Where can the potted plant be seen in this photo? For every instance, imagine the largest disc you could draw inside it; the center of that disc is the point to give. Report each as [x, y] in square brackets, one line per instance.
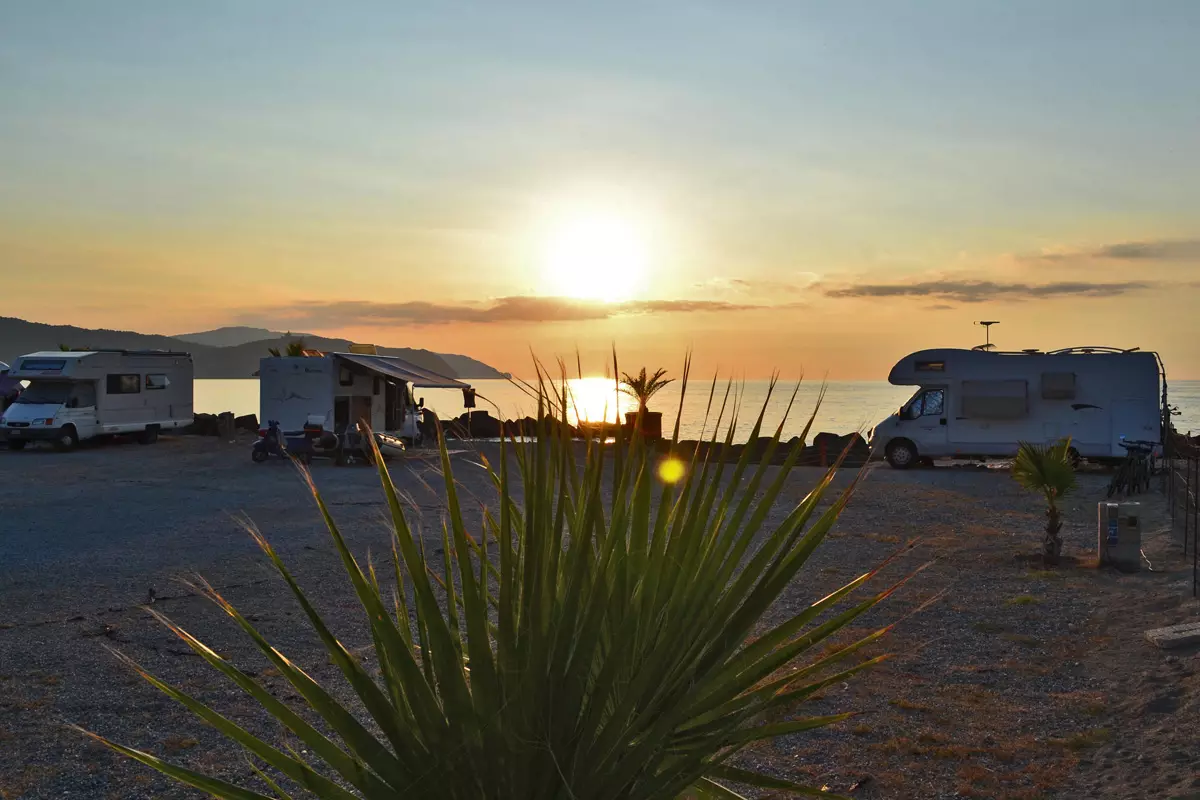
[1050, 471]
[642, 388]
[295, 349]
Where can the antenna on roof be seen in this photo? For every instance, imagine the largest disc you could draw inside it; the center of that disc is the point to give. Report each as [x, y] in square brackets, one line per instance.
[987, 328]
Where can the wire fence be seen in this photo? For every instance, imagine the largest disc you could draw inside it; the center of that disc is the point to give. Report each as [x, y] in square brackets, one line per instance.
[1182, 488]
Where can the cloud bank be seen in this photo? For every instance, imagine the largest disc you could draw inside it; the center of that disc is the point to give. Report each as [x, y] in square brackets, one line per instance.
[973, 291]
[1149, 250]
[519, 309]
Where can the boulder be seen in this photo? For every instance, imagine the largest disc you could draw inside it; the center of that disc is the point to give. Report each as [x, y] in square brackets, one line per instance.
[600, 430]
[827, 447]
[478, 425]
[225, 425]
[429, 425]
[202, 425]
[246, 422]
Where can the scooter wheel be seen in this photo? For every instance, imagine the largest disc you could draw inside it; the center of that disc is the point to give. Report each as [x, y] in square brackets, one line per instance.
[258, 456]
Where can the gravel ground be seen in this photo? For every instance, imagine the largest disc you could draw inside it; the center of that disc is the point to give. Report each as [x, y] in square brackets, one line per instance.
[1014, 682]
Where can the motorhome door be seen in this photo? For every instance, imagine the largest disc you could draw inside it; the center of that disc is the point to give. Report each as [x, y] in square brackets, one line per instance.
[926, 416]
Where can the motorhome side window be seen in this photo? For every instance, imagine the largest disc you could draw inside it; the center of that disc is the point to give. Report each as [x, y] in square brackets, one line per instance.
[157, 382]
[124, 384]
[929, 403]
[83, 395]
[935, 400]
[931, 366]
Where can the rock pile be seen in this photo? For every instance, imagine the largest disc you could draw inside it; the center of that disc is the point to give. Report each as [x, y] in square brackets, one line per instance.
[824, 450]
[223, 424]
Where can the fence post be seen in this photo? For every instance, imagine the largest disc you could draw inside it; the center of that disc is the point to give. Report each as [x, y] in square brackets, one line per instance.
[1171, 491]
[1187, 491]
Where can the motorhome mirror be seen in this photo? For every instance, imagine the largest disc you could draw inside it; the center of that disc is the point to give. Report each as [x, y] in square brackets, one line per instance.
[421, 403]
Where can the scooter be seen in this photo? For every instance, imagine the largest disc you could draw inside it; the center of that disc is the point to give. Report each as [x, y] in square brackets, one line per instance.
[274, 442]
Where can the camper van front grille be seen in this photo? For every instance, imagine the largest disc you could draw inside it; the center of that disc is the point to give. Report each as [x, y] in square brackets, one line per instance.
[18, 424]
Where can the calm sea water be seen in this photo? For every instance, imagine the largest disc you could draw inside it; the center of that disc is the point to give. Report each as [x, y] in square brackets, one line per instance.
[848, 405]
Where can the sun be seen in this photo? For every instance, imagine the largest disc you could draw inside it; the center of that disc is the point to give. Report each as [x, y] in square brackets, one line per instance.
[596, 257]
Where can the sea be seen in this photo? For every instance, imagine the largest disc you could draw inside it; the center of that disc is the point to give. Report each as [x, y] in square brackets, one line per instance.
[846, 406]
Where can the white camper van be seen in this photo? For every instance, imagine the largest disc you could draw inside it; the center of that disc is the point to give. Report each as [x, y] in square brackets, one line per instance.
[73, 396]
[340, 389]
[980, 404]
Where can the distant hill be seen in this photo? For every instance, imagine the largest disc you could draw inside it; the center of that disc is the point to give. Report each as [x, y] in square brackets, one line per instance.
[232, 336]
[17, 337]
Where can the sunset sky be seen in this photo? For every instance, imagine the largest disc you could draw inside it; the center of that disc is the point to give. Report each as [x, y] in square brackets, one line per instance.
[795, 185]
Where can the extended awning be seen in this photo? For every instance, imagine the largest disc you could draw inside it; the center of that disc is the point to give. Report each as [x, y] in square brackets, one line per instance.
[403, 370]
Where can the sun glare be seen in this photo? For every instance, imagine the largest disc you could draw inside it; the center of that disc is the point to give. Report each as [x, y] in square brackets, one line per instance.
[596, 258]
[596, 400]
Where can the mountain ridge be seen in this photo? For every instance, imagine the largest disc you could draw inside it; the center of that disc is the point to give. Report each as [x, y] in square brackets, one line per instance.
[19, 336]
[233, 335]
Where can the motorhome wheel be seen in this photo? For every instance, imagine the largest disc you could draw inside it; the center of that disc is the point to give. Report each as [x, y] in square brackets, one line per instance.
[149, 436]
[901, 453]
[68, 439]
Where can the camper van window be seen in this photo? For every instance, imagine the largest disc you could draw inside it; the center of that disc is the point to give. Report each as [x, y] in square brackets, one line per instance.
[124, 384]
[83, 395]
[914, 408]
[1058, 385]
[47, 392]
[931, 366]
[345, 377]
[157, 382]
[43, 364]
[934, 403]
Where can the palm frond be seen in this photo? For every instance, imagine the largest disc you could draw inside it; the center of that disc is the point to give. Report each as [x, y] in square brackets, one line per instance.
[1047, 469]
[642, 387]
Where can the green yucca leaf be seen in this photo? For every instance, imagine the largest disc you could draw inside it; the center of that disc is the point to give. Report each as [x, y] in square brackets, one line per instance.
[589, 640]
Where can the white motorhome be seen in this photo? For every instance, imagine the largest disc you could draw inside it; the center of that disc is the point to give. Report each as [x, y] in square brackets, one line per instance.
[341, 389]
[10, 387]
[73, 396]
[981, 404]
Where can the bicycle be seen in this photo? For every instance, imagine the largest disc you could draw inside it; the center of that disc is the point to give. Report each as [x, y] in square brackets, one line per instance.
[1134, 471]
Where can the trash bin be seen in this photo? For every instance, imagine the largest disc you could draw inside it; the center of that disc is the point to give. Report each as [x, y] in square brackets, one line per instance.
[1119, 534]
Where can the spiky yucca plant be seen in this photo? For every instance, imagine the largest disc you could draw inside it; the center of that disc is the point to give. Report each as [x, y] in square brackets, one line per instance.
[1050, 471]
[583, 644]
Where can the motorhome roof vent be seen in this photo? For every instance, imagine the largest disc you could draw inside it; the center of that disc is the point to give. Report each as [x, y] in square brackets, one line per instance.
[364, 349]
[1031, 351]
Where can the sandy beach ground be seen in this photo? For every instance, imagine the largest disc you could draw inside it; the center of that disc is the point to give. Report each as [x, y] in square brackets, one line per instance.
[1016, 683]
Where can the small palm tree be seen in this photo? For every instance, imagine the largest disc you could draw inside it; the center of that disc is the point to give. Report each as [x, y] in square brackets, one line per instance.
[643, 387]
[1050, 471]
[295, 348]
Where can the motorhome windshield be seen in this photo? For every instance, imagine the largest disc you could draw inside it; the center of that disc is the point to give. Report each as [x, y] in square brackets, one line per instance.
[46, 393]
